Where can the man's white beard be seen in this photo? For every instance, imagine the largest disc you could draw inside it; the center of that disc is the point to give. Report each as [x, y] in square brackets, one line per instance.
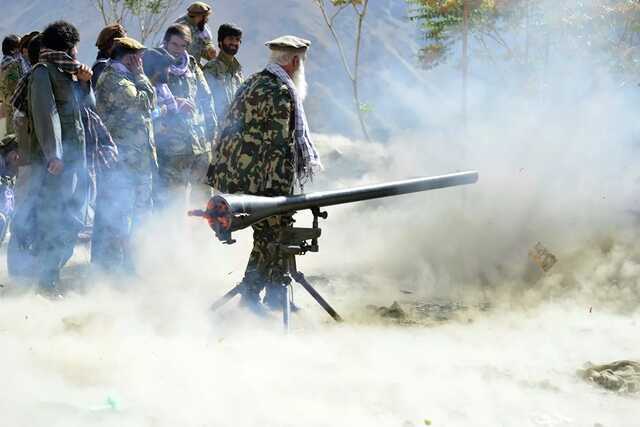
[300, 81]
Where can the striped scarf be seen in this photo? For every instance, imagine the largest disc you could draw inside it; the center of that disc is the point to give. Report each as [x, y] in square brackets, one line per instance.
[19, 99]
[60, 59]
[182, 67]
[306, 157]
[6, 61]
[25, 66]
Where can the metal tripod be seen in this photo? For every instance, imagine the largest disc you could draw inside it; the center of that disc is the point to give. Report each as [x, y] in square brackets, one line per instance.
[292, 241]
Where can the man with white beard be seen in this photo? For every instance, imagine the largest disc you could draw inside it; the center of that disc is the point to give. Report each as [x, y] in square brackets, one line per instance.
[263, 147]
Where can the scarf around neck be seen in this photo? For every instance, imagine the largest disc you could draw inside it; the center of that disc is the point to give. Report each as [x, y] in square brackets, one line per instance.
[25, 65]
[306, 157]
[7, 60]
[60, 59]
[19, 99]
[182, 67]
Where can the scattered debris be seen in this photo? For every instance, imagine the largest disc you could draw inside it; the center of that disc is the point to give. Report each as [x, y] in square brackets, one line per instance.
[441, 311]
[542, 257]
[622, 376]
[429, 313]
[406, 292]
[393, 312]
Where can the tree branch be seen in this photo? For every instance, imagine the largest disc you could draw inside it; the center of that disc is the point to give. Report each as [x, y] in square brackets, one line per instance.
[334, 34]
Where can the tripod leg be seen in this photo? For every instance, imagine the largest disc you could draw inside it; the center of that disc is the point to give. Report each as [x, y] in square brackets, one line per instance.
[299, 277]
[225, 298]
[286, 307]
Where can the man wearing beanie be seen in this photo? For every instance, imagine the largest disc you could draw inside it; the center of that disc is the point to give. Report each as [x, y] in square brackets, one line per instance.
[201, 47]
[126, 100]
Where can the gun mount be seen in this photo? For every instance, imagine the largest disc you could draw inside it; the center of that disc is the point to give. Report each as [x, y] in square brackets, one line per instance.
[227, 213]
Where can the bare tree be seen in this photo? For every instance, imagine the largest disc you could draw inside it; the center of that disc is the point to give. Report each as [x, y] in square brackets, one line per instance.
[152, 16]
[148, 16]
[465, 61]
[112, 10]
[330, 11]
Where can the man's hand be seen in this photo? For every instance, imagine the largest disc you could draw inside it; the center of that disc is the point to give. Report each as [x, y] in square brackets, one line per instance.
[210, 53]
[133, 62]
[185, 106]
[136, 65]
[13, 158]
[55, 166]
[84, 73]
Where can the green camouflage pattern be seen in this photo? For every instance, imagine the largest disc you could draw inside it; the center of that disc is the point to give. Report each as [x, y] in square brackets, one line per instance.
[10, 75]
[254, 151]
[125, 103]
[224, 75]
[124, 197]
[197, 47]
[182, 133]
[176, 172]
[254, 155]
[265, 267]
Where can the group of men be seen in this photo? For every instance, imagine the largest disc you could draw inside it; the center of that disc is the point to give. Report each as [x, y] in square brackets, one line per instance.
[132, 133]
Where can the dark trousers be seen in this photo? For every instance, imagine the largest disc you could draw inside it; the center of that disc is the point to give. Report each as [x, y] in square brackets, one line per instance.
[21, 260]
[59, 212]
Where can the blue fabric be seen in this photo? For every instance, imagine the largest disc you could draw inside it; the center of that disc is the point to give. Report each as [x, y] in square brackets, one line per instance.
[59, 212]
[21, 258]
[123, 203]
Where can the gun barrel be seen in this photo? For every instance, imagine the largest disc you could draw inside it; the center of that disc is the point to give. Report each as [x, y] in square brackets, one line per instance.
[338, 197]
[231, 212]
[267, 206]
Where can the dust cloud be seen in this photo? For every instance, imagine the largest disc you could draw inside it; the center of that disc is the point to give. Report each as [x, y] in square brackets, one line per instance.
[557, 168]
[147, 352]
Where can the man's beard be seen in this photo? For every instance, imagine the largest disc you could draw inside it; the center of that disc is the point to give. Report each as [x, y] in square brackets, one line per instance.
[300, 81]
[229, 50]
[201, 25]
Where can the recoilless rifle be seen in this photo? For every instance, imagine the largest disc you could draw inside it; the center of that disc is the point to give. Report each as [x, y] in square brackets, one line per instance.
[227, 213]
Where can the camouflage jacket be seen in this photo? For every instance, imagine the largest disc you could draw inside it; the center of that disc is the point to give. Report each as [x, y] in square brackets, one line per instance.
[10, 74]
[224, 75]
[199, 44]
[125, 102]
[254, 151]
[185, 133]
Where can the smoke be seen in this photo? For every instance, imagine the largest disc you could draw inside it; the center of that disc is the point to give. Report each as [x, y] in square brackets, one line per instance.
[556, 164]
